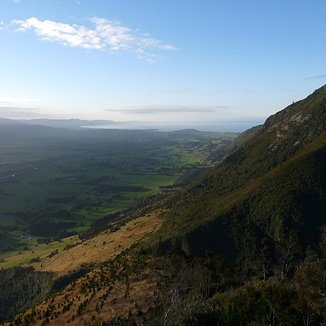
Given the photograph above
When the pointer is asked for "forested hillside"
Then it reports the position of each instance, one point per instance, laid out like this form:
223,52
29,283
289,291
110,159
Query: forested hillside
273,183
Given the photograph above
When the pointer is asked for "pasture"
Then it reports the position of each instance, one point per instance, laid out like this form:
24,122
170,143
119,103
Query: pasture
55,184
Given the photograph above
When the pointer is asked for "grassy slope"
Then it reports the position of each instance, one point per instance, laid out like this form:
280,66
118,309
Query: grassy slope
105,246
102,250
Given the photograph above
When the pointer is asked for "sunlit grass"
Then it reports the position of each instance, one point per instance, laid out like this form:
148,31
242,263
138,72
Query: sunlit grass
35,250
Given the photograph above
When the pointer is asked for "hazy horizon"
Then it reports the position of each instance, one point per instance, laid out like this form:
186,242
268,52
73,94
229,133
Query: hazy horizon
228,126
212,126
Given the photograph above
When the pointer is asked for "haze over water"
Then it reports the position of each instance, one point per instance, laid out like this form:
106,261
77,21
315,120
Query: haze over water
237,126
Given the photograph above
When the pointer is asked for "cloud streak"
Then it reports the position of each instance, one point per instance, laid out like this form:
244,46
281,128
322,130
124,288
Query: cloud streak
169,109
14,101
316,77
11,112
171,91
106,35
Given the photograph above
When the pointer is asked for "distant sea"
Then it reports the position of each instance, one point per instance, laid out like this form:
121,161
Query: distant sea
238,126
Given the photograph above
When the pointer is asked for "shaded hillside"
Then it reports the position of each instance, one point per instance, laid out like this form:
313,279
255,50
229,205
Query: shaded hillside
22,288
291,197
273,183
282,135
220,153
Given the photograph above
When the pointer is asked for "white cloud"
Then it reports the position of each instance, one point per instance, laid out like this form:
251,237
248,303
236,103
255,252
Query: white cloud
112,34
106,35
69,35
16,101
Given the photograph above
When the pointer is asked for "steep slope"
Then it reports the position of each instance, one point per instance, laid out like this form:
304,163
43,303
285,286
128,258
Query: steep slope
273,183
282,135
222,152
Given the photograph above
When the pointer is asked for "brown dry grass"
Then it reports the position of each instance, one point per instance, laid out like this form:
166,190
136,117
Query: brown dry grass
111,294
101,248
105,301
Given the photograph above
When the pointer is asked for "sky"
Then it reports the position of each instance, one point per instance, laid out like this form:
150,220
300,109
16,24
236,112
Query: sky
185,62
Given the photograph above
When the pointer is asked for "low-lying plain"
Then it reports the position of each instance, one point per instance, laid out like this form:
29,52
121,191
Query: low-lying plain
56,183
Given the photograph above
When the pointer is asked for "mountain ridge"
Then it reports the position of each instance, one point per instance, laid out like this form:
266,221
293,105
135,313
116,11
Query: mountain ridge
280,149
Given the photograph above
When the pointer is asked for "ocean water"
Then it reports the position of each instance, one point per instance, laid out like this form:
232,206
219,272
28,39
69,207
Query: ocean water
238,126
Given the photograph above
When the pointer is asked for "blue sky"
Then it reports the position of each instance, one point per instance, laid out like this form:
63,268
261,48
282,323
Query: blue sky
159,61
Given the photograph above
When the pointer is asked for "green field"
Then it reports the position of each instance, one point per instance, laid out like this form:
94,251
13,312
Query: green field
56,185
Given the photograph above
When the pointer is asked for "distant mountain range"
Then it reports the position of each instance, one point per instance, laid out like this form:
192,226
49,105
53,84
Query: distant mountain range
67,123
57,123
237,126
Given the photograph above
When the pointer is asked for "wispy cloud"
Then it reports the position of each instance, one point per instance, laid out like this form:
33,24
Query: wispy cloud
17,107
168,109
316,77
171,91
286,89
17,101
12,112
106,35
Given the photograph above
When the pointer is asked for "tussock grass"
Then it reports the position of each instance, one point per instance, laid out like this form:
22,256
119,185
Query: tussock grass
105,246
